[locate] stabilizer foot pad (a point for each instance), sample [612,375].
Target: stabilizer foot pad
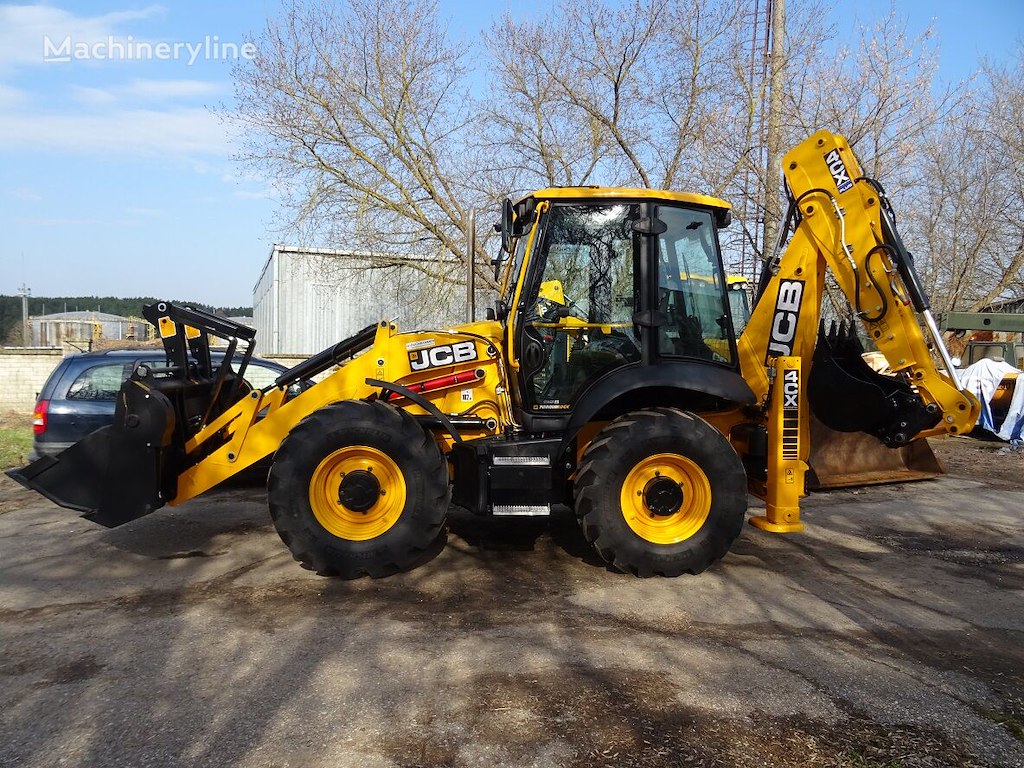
[765,524]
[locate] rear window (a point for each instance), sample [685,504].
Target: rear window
[260,376]
[101,382]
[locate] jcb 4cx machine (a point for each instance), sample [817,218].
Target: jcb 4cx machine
[607,378]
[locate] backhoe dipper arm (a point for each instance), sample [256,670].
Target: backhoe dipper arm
[843,220]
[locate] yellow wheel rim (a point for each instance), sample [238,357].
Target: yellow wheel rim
[692,512]
[353,524]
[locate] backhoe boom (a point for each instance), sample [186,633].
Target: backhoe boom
[843,221]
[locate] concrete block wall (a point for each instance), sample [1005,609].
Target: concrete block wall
[22,374]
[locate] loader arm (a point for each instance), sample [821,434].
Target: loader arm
[842,221]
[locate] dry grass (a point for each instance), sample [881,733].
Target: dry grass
[15,439]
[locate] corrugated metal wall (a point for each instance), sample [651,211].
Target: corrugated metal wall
[307,299]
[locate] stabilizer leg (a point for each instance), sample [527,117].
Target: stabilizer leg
[787,448]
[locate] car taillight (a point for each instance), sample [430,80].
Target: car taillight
[39,417]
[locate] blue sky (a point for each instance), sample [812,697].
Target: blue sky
[116,178]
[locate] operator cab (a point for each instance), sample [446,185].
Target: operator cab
[612,284]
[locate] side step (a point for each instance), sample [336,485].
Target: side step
[522,510]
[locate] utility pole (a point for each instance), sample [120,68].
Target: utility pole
[471,266]
[772,176]
[26,330]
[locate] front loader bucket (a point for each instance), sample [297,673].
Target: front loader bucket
[116,474]
[843,459]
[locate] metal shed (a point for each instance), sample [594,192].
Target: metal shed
[81,329]
[309,298]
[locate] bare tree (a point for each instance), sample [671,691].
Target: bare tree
[616,95]
[363,116]
[970,219]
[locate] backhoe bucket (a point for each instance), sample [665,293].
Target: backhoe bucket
[848,396]
[843,459]
[862,422]
[115,474]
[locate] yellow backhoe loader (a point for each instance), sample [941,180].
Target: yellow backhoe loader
[608,377]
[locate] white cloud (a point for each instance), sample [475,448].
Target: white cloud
[11,97]
[144,90]
[168,90]
[23,28]
[186,131]
[92,97]
[25,194]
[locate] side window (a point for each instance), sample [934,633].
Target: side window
[101,382]
[260,376]
[691,287]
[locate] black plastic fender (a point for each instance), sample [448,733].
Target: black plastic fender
[689,379]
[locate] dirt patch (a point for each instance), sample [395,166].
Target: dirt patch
[15,420]
[994,463]
[75,671]
[612,717]
[13,496]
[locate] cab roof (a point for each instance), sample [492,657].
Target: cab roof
[590,193]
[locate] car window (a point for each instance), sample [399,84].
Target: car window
[101,382]
[260,376]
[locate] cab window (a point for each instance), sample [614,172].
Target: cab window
[579,322]
[691,288]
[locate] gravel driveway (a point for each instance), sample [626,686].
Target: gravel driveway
[888,634]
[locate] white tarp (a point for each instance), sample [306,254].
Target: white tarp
[1013,424]
[982,379]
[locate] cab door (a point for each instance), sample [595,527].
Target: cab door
[577,311]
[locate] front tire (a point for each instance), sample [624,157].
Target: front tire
[660,492]
[358,489]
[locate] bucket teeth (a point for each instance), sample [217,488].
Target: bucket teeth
[848,396]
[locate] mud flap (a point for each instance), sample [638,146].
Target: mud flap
[119,472]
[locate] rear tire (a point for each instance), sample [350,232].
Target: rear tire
[358,489]
[660,492]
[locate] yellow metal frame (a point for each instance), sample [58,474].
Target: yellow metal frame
[789,445]
[837,229]
[253,428]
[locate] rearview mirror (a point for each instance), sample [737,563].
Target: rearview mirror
[507,217]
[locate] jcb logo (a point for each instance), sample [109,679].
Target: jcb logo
[837,168]
[787,313]
[447,354]
[791,390]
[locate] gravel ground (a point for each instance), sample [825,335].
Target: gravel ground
[888,634]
